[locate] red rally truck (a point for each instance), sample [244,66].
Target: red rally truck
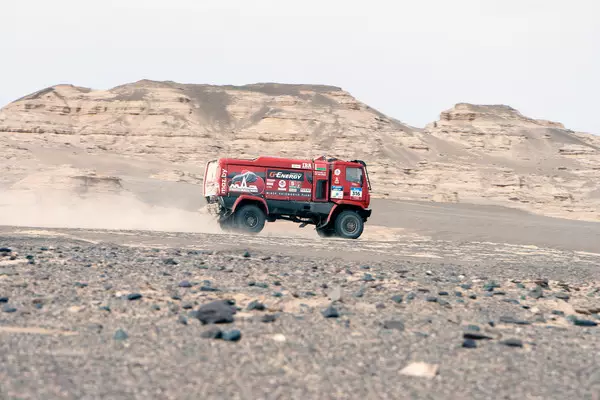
[326,192]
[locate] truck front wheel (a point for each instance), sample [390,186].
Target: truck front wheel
[349,225]
[250,219]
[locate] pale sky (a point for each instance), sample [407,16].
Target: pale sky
[408,59]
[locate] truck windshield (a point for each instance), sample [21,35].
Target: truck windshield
[211,185]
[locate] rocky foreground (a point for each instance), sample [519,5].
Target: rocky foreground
[82,319]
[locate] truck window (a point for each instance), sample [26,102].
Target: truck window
[321,189]
[354,175]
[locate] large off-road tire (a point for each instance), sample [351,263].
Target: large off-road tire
[249,219]
[326,232]
[349,225]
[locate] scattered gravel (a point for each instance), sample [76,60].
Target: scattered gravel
[105,320]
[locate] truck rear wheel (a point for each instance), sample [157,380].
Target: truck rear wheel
[249,219]
[349,225]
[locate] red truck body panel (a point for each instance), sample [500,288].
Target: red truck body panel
[288,179]
[301,190]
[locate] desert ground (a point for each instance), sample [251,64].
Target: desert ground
[434,301]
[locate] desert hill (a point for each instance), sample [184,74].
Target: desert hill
[148,142]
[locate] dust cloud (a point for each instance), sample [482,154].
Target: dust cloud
[55,208]
[63,209]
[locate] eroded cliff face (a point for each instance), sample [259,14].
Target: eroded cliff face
[150,132]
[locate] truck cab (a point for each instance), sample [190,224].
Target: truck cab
[332,194]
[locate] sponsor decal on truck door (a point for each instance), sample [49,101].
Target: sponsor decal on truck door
[288,184]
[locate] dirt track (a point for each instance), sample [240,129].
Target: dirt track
[404,298]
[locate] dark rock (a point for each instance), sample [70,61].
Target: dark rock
[443,293]
[277,294]
[80,284]
[209,289]
[5,250]
[278,283]
[170,261]
[29,257]
[262,285]
[212,333]
[120,334]
[469,344]
[558,312]
[397,298]
[512,342]
[38,306]
[233,335]
[520,285]
[309,294]
[365,267]
[379,306]
[216,312]
[410,296]
[108,287]
[268,318]
[512,320]
[472,328]
[499,293]
[584,322]
[562,296]
[3,299]
[475,335]
[105,308]
[466,286]
[185,284]
[443,302]
[360,292]
[330,312]
[182,320]
[394,324]
[134,296]
[368,278]
[458,294]
[9,309]
[543,283]
[255,305]
[431,299]
[490,286]
[246,254]
[536,293]
[472,296]
[512,301]
[187,306]
[156,307]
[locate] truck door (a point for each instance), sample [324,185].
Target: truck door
[347,183]
[321,182]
